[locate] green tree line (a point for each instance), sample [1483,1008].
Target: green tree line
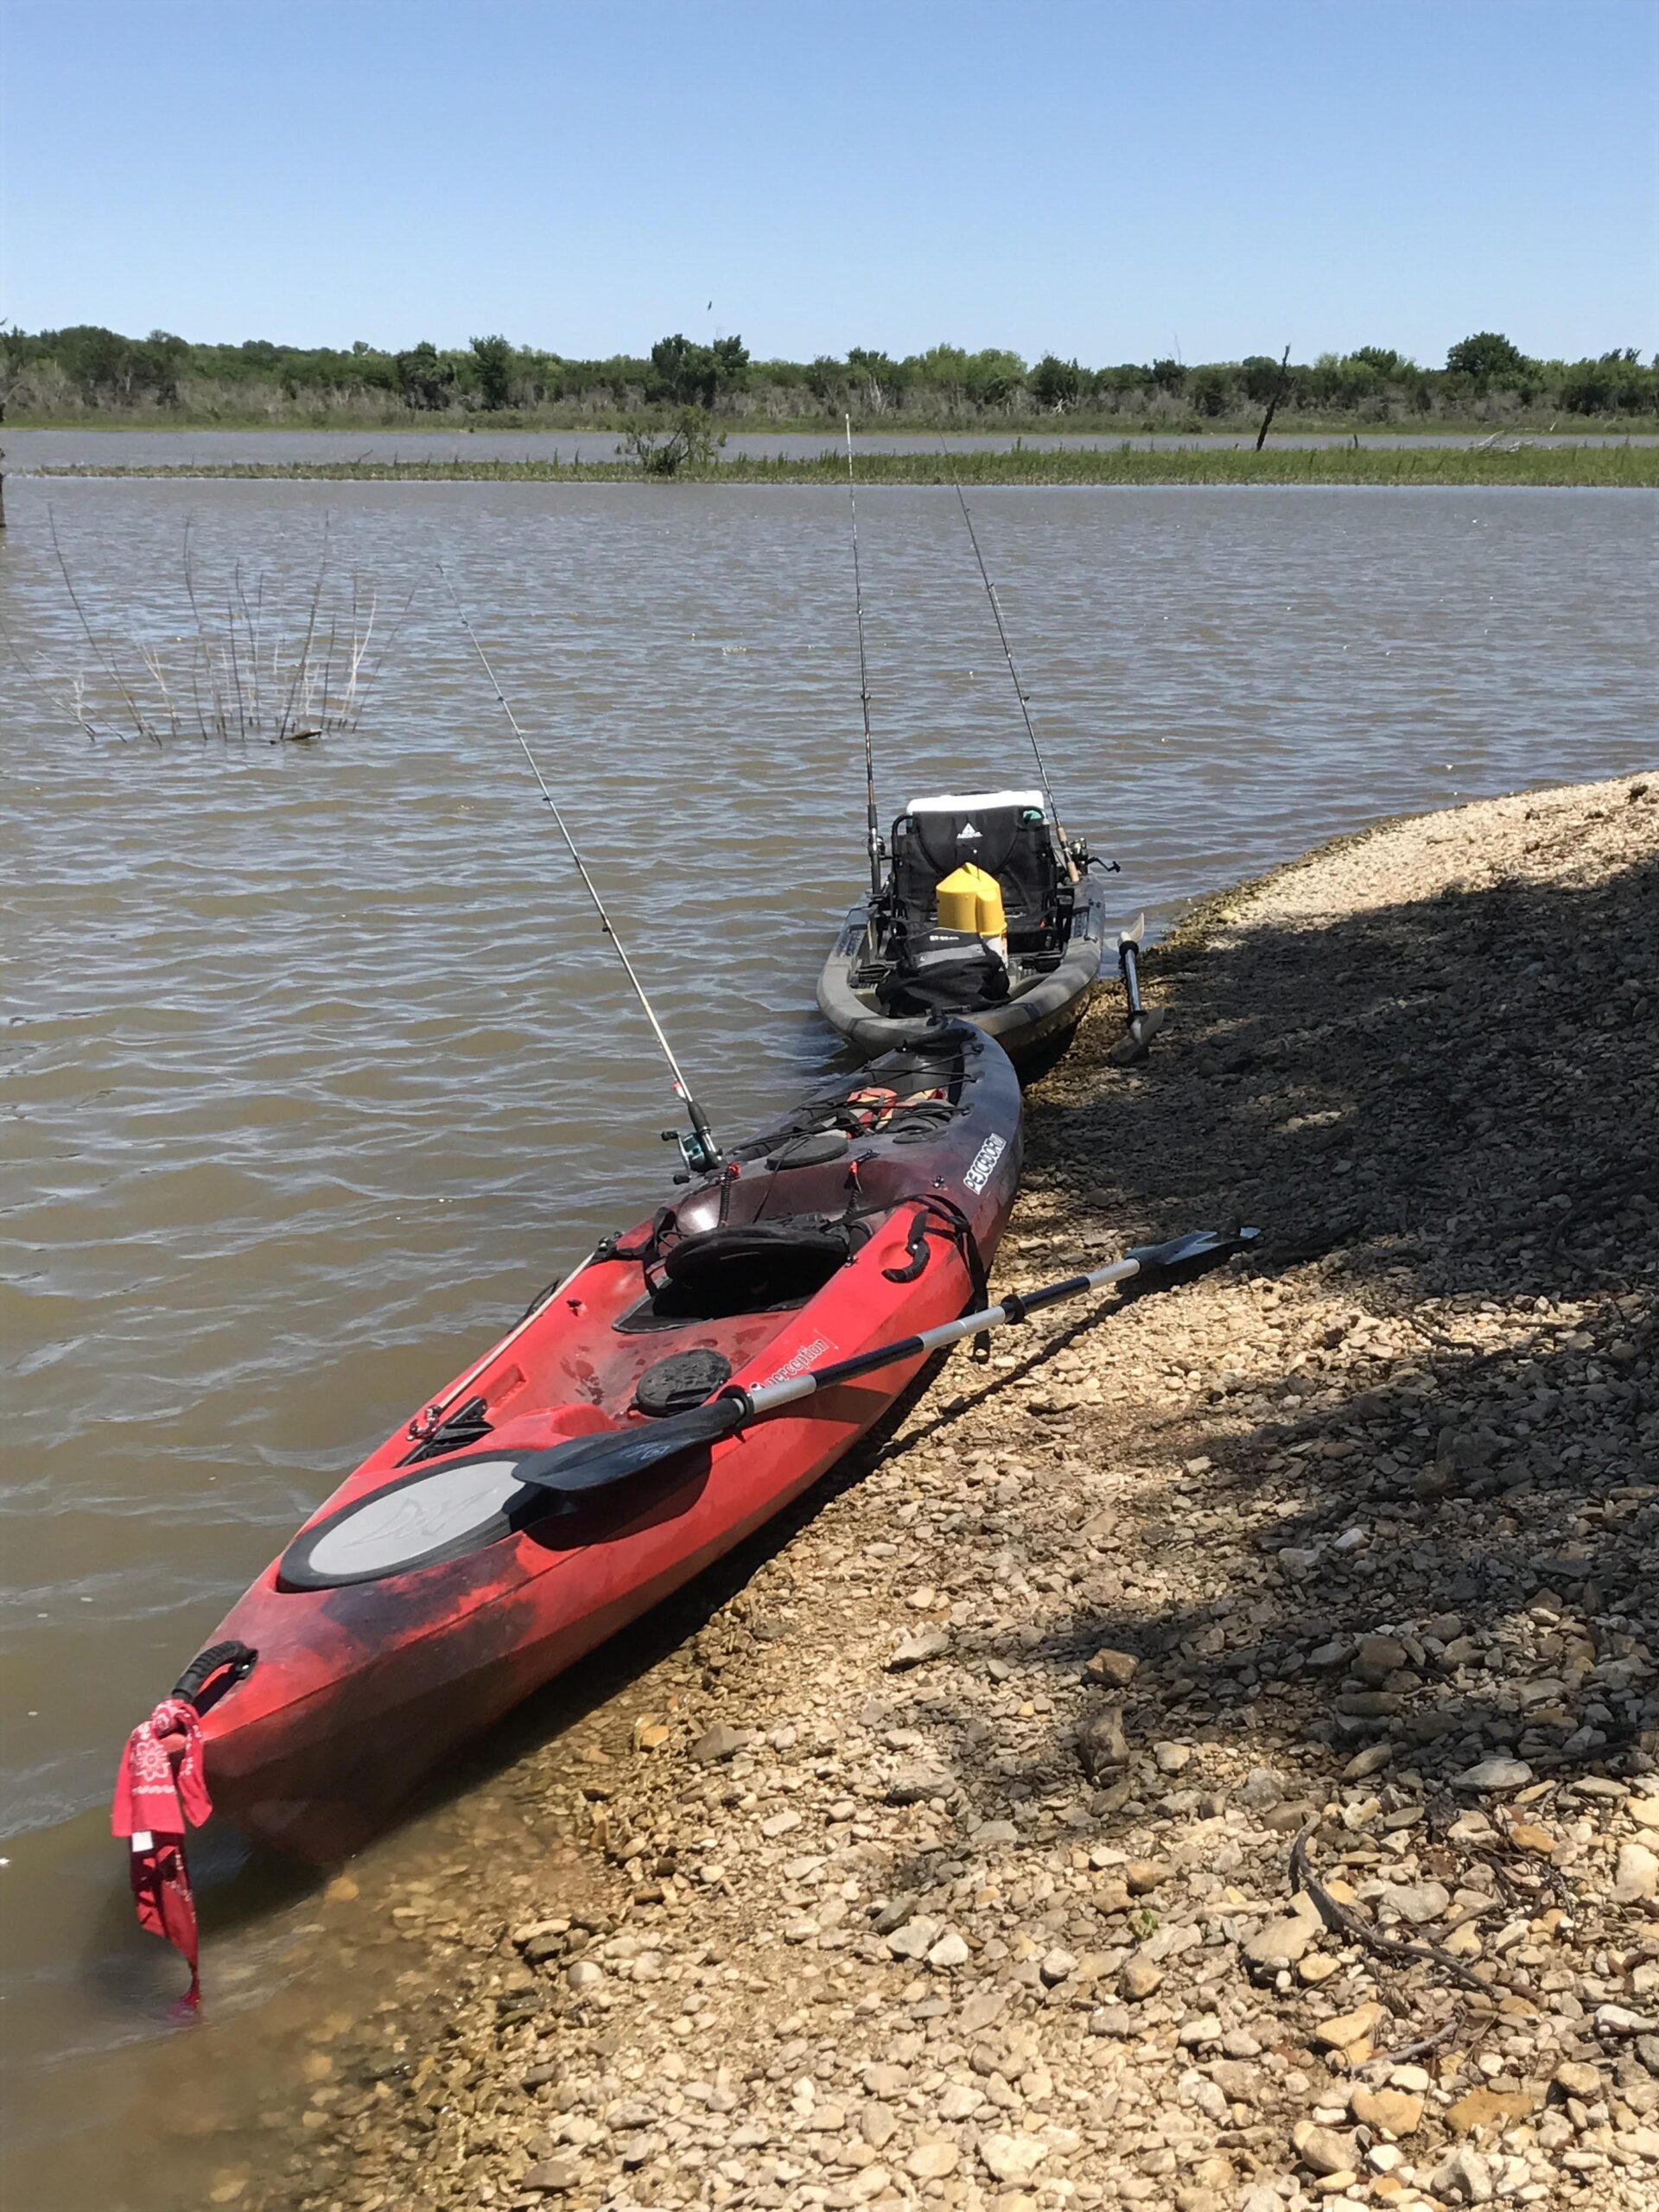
[86,371]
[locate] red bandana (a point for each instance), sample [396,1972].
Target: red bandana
[159,1789]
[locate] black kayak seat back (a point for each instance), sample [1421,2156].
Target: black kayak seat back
[1005,833]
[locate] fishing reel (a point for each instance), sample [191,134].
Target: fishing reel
[1085,860]
[697,1149]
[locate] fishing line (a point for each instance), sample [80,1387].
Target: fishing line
[1007,654]
[702,1149]
[864,684]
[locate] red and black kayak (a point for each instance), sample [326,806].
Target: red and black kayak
[452,1574]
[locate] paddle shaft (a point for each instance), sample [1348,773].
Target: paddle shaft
[766,1396]
[595,1461]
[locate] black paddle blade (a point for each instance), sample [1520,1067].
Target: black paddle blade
[587,1463]
[1162,1264]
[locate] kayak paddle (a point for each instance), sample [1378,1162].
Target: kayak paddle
[586,1463]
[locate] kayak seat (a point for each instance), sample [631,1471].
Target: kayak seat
[750,1267]
[1012,843]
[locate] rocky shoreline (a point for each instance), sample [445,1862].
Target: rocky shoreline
[1208,1758]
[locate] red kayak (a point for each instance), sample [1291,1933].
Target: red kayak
[451,1576]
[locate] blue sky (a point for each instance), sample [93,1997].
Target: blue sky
[1109,181]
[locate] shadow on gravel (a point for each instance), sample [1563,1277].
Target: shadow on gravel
[1444,1113]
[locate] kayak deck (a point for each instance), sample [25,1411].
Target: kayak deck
[1048,992]
[432,1590]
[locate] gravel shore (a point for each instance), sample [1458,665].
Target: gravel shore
[1209,1757]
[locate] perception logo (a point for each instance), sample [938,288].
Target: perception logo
[979,1174]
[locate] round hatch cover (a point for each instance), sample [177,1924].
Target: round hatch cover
[436,1513]
[684,1379]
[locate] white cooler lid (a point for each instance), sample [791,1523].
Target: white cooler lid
[973,802]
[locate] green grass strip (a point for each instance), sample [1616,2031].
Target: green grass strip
[1624,468]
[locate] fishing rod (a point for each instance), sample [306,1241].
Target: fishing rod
[1007,654]
[701,1150]
[864,685]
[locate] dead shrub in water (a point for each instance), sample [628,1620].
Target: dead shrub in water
[692,442]
[244,668]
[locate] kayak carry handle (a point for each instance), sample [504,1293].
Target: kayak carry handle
[215,1670]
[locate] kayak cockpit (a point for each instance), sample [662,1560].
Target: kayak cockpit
[978,903]
[987,911]
[754,1266]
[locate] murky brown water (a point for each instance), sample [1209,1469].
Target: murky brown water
[315,1065]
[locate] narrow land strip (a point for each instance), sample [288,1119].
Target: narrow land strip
[1616,466]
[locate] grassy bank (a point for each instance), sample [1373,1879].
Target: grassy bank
[1617,466]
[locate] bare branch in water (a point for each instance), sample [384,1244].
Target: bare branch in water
[392,636]
[108,659]
[310,630]
[235,672]
[242,667]
[204,651]
[152,661]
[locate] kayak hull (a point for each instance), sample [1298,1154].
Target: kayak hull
[361,1687]
[1037,1017]
[319,1781]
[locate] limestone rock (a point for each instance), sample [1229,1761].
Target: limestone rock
[1379,1656]
[1464,2178]
[552,2176]
[915,1939]
[1371,1760]
[914,1785]
[917,1651]
[1013,2158]
[1391,2111]
[1139,1979]
[1418,1901]
[1526,1835]
[1282,1942]
[1349,2031]
[1101,1744]
[1485,2112]
[1494,1774]
[1637,1877]
[717,1744]
[1322,2151]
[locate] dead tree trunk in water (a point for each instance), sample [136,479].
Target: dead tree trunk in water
[1272,404]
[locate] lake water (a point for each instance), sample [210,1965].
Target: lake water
[317,1065]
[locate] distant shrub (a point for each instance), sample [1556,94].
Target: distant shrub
[425,379]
